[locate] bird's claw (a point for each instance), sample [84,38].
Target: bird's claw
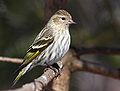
[55,67]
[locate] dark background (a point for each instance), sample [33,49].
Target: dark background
[98,25]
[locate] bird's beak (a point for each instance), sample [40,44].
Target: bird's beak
[72,22]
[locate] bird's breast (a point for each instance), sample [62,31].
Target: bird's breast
[57,49]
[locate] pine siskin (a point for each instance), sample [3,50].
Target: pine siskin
[50,45]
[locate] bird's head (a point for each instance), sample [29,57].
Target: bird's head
[61,18]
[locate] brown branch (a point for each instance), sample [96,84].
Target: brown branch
[71,64]
[41,82]
[99,69]
[78,65]
[79,51]
[12,60]
[97,50]
[61,83]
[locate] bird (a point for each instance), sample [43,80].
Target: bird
[50,45]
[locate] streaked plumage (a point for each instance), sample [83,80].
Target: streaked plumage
[50,45]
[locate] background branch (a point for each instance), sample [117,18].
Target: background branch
[97,50]
[79,51]
[12,60]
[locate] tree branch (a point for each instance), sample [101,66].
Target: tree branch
[79,65]
[12,60]
[39,83]
[97,50]
[71,64]
[80,51]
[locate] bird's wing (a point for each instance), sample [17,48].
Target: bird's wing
[42,41]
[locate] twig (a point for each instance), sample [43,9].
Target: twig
[97,50]
[80,51]
[12,60]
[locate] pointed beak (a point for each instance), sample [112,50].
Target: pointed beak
[72,22]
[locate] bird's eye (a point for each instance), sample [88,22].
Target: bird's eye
[63,18]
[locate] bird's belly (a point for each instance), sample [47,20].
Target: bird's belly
[54,56]
[54,52]
[57,55]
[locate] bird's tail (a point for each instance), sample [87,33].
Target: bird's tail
[21,73]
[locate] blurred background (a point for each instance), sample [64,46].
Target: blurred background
[98,25]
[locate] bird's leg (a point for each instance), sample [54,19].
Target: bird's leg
[55,67]
[48,66]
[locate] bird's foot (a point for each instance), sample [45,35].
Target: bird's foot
[55,67]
